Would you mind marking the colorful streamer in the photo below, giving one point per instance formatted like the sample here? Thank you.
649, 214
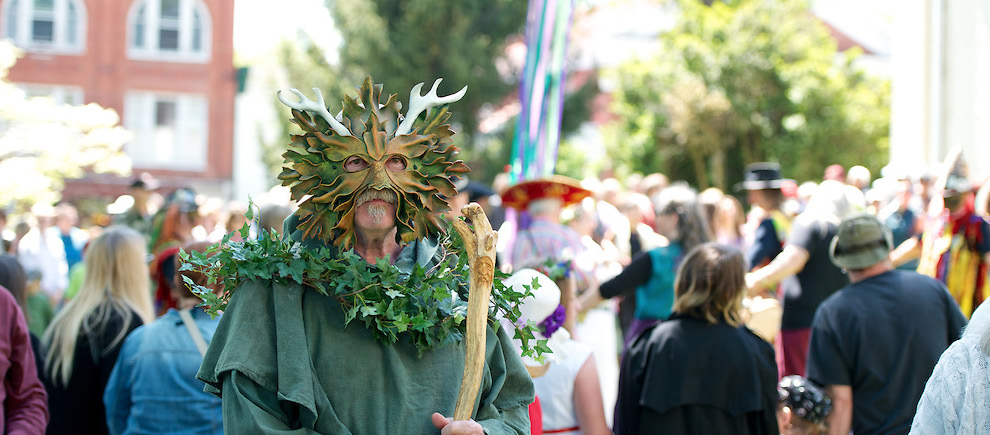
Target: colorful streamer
541, 92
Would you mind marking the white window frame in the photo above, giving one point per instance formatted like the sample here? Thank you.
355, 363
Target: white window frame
60, 94
22, 11
189, 147
151, 20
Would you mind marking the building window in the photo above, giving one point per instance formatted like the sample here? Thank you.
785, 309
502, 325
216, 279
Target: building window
55, 26
59, 94
173, 30
170, 130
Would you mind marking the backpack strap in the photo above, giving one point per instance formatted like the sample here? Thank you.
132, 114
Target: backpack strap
193, 331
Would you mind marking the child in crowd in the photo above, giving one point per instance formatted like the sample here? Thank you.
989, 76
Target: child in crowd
802, 408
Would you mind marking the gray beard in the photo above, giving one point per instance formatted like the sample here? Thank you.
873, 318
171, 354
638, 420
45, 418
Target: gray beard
377, 212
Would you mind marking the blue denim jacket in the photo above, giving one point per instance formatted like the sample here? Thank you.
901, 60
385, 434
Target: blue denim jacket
153, 387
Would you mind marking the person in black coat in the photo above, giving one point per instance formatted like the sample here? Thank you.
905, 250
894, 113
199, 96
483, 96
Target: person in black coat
701, 370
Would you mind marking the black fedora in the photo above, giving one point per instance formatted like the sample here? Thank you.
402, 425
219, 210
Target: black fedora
762, 175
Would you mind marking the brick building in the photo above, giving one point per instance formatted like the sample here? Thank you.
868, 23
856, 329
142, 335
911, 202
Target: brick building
166, 66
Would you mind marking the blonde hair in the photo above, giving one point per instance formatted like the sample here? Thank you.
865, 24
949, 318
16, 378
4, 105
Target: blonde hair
116, 284
710, 282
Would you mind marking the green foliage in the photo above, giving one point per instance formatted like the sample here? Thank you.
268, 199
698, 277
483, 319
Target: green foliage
744, 81
402, 43
427, 306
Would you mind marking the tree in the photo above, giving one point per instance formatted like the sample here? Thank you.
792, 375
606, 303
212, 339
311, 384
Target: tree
42, 144
743, 81
402, 43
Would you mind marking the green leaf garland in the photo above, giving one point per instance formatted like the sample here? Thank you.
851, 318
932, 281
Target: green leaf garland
427, 306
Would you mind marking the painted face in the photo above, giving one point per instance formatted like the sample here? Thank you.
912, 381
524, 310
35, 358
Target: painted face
371, 177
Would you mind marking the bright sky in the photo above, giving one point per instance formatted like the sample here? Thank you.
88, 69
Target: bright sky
260, 24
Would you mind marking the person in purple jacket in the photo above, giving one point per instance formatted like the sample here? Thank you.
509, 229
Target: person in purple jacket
25, 404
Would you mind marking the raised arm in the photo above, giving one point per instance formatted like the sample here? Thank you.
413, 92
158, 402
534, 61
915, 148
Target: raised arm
908, 250
789, 262
635, 274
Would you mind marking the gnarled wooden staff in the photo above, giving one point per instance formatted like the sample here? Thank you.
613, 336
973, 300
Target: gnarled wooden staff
480, 247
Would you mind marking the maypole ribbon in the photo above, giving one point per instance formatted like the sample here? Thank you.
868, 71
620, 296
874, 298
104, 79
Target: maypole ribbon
541, 99
541, 91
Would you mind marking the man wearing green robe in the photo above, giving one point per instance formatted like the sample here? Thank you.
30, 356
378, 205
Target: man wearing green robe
282, 359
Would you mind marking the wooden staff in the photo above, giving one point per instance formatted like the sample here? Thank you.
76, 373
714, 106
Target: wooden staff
479, 245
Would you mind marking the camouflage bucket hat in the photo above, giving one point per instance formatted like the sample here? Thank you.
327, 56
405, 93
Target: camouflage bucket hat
860, 242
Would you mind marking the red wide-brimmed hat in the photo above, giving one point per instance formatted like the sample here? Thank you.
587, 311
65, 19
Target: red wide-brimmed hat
558, 186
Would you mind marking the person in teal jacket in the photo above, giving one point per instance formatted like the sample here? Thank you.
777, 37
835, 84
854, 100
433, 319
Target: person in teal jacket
372, 183
651, 274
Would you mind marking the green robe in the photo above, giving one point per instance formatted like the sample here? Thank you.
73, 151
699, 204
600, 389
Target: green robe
283, 362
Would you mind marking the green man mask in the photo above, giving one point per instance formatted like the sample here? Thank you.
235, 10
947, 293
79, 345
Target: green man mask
411, 156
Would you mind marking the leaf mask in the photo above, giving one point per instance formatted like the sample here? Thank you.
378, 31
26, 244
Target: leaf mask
374, 132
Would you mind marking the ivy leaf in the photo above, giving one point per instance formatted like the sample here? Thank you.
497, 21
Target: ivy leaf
428, 307
297, 269
351, 313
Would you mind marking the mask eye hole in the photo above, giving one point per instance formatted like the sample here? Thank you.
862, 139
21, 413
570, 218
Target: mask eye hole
396, 163
355, 163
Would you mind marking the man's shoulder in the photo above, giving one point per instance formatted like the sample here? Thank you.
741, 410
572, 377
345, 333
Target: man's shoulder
910, 276
901, 285
843, 302
259, 302
911, 284
249, 292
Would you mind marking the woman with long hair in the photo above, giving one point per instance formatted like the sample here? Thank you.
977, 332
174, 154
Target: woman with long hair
84, 339
701, 370
650, 275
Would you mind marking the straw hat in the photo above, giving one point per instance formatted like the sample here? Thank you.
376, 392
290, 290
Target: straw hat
566, 189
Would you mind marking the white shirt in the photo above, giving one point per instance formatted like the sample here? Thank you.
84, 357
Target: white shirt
43, 251
556, 388
957, 396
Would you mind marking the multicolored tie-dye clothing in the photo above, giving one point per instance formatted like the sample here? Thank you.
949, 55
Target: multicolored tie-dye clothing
953, 252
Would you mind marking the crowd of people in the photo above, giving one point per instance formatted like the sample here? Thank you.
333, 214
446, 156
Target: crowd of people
114, 334
851, 292
832, 274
